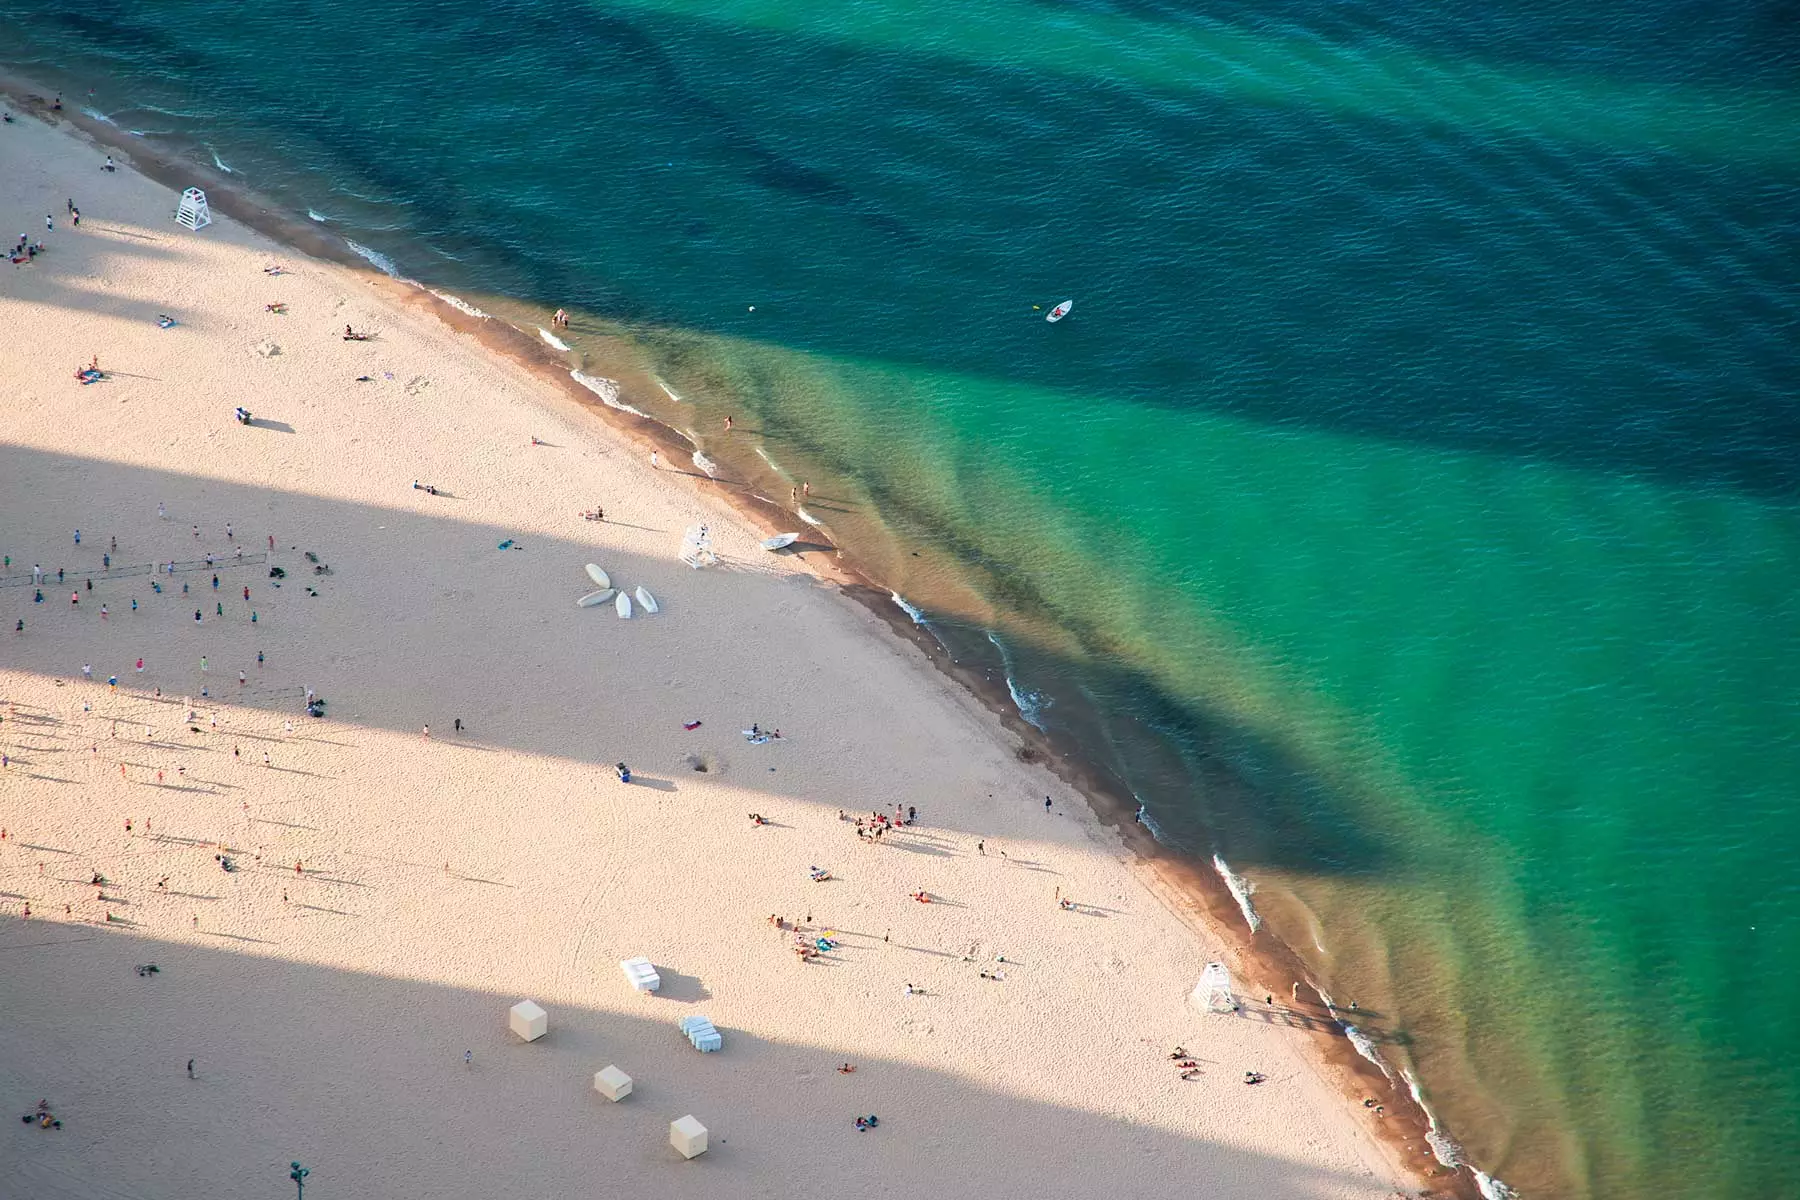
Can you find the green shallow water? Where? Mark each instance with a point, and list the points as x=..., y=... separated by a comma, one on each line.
x=1406, y=513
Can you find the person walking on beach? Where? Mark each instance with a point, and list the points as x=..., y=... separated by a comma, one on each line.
x=191, y=1061
x=655, y=464
x=427, y=734
x=49, y=223
x=727, y=424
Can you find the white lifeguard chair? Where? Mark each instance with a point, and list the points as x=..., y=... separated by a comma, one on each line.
x=193, y=212
x=1213, y=992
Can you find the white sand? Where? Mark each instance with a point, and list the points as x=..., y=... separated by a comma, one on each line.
x=330, y=1026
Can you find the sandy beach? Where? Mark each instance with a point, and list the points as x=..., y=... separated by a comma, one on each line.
x=450, y=836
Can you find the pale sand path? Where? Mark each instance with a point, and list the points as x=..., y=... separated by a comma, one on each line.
x=331, y=1027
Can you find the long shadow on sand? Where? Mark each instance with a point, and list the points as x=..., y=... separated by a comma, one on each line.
x=487, y=612
x=362, y=1078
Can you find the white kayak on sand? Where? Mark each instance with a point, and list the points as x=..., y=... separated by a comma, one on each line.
x=600, y=578
x=623, y=604
x=646, y=601
x=593, y=598
x=780, y=541
x=1060, y=311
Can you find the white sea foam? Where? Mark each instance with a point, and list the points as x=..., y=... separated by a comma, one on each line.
x=669, y=391
x=315, y=215
x=764, y=455
x=552, y=340
x=808, y=517
x=1365, y=1046
x=1445, y=1149
x=459, y=304
x=1031, y=705
x=220, y=163
x=706, y=464
x=918, y=618
x=608, y=391
x=374, y=258
x=1241, y=890
x=1146, y=820
x=99, y=116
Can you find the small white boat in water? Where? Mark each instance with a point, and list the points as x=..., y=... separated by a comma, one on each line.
x=780, y=541
x=1060, y=311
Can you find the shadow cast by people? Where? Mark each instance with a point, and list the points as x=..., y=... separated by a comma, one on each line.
x=654, y=784
x=269, y=423
x=911, y=847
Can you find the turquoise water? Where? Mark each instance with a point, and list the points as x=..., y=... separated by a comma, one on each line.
x=1407, y=511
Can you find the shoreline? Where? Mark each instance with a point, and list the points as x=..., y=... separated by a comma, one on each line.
x=1186, y=887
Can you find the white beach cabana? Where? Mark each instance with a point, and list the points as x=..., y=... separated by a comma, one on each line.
x=688, y=1136
x=528, y=1020
x=612, y=1083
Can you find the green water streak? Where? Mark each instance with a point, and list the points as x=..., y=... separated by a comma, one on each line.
x=1757, y=128
x=1552, y=701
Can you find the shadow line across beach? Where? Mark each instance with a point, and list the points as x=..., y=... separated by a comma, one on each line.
x=505, y=608
x=361, y=1076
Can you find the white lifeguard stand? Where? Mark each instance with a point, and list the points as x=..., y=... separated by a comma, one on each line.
x=1213, y=992
x=193, y=212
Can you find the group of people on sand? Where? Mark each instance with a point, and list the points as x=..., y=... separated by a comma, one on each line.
x=879, y=822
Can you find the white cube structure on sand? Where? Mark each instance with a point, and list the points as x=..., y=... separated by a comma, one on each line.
x=641, y=974
x=688, y=1136
x=612, y=1083
x=528, y=1020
